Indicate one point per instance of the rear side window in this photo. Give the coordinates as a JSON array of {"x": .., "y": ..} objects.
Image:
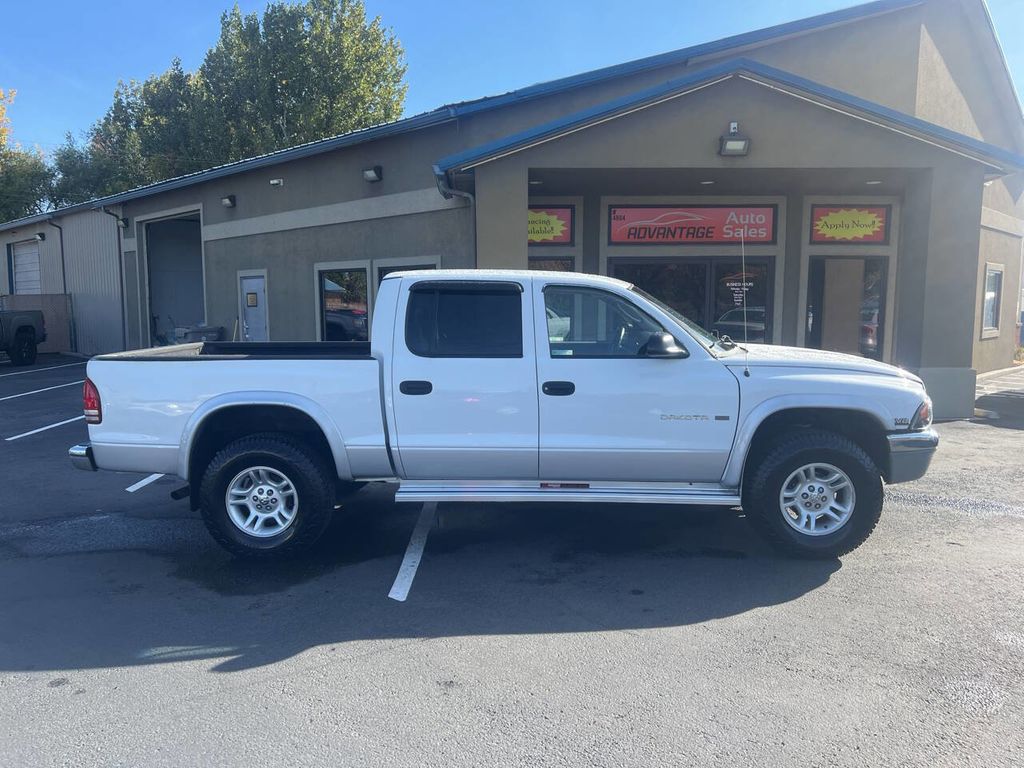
[{"x": 465, "y": 320}]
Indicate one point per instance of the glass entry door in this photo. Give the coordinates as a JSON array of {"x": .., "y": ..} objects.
[
  {"x": 709, "y": 291},
  {"x": 846, "y": 305}
]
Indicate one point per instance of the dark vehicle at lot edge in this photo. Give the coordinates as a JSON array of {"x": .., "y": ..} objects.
[{"x": 21, "y": 331}]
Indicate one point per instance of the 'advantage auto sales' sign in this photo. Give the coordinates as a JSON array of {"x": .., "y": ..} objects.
[{"x": 693, "y": 225}]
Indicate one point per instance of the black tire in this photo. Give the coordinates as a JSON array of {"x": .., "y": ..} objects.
[
  {"x": 764, "y": 481},
  {"x": 23, "y": 350},
  {"x": 314, "y": 485}
]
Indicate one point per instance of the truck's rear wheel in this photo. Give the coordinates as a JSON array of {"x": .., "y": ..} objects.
[
  {"x": 814, "y": 494},
  {"x": 266, "y": 496},
  {"x": 23, "y": 348}
]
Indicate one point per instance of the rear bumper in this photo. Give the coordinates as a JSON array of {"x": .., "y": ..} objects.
[
  {"x": 81, "y": 457},
  {"x": 910, "y": 453}
]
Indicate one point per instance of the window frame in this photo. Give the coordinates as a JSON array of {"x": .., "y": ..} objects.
[
  {"x": 435, "y": 286},
  {"x": 994, "y": 268},
  {"x": 620, "y": 297},
  {"x": 340, "y": 266}
]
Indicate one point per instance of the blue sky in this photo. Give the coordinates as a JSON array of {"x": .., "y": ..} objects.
[{"x": 65, "y": 61}]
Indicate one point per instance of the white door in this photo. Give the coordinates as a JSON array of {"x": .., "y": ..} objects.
[
  {"x": 464, "y": 385},
  {"x": 26, "y": 267},
  {"x": 253, "y": 295},
  {"x": 607, "y": 412}
]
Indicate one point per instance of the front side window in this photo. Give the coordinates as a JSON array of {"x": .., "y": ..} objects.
[
  {"x": 588, "y": 322},
  {"x": 992, "y": 298},
  {"x": 465, "y": 320},
  {"x": 343, "y": 305}
]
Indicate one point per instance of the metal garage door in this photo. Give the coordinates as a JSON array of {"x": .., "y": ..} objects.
[{"x": 26, "y": 267}]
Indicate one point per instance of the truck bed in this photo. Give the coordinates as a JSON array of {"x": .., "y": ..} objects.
[{"x": 250, "y": 350}]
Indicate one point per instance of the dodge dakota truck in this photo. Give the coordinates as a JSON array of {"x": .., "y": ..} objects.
[
  {"x": 495, "y": 386},
  {"x": 20, "y": 332}
]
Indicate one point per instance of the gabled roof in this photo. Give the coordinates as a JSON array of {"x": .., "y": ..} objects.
[
  {"x": 854, "y": 106},
  {"x": 453, "y": 111}
]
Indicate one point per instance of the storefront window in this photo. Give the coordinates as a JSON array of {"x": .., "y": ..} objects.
[
  {"x": 710, "y": 292},
  {"x": 553, "y": 264},
  {"x": 343, "y": 305}
]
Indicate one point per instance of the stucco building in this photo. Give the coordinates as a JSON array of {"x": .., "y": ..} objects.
[{"x": 852, "y": 180}]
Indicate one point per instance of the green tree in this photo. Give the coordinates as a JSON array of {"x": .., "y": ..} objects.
[
  {"x": 24, "y": 175},
  {"x": 298, "y": 73}
]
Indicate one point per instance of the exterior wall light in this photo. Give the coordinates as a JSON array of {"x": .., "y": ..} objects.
[
  {"x": 277, "y": 182},
  {"x": 733, "y": 143},
  {"x": 228, "y": 201},
  {"x": 40, "y": 236},
  {"x": 374, "y": 174}
]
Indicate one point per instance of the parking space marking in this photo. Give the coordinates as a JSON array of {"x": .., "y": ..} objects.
[
  {"x": 37, "y": 370},
  {"x": 43, "y": 429},
  {"x": 413, "y": 553},
  {"x": 144, "y": 482},
  {"x": 44, "y": 389}
]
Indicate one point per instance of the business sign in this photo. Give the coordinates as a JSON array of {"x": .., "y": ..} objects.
[
  {"x": 551, "y": 225},
  {"x": 691, "y": 225},
  {"x": 850, "y": 224}
]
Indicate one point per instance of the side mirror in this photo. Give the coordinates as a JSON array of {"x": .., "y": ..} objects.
[{"x": 663, "y": 345}]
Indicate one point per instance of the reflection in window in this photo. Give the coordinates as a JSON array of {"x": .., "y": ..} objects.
[
  {"x": 343, "y": 305},
  {"x": 733, "y": 284},
  {"x": 559, "y": 264},
  {"x": 993, "y": 297},
  {"x": 586, "y": 322}
]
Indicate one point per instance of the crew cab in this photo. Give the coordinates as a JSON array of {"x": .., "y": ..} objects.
[{"x": 503, "y": 386}]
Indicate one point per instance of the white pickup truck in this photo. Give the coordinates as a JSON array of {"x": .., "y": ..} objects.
[{"x": 513, "y": 386}]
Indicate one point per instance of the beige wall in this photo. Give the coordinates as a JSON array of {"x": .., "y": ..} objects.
[{"x": 995, "y": 352}]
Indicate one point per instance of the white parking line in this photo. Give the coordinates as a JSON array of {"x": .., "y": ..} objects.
[
  {"x": 413, "y": 553},
  {"x": 44, "y": 389},
  {"x": 43, "y": 429},
  {"x": 144, "y": 482},
  {"x": 37, "y": 370}
]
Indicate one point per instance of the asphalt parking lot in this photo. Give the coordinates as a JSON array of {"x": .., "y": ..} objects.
[{"x": 542, "y": 635}]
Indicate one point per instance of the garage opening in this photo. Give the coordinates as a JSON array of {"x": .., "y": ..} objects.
[{"x": 174, "y": 255}]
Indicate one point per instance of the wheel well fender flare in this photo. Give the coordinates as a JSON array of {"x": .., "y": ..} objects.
[
  {"x": 747, "y": 429},
  {"x": 332, "y": 434}
]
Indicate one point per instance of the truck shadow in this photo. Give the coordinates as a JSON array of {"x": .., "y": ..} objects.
[{"x": 488, "y": 570}]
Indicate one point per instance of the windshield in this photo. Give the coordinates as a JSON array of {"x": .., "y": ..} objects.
[{"x": 684, "y": 321}]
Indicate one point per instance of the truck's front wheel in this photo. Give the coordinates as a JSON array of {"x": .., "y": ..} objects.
[
  {"x": 814, "y": 494},
  {"x": 266, "y": 496}
]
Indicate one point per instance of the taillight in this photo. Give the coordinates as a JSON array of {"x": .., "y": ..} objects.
[{"x": 91, "y": 403}]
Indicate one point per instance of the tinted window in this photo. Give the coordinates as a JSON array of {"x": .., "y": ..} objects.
[
  {"x": 465, "y": 320},
  {"x": 584, "y": 322}
]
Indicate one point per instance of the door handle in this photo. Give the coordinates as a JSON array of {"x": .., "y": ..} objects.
[
  {"x": 558, "y": 388},
  {"x": 415, "y": 387}
]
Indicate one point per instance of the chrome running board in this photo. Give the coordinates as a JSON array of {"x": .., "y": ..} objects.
[{"x": 541, "y": 491}]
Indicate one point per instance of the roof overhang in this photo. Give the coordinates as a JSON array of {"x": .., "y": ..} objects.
[{"x": 998, "y": 160}]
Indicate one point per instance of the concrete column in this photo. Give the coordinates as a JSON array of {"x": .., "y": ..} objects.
[
  {"x": 950, "y": 288},
  {"x": 501, "y": 216}
]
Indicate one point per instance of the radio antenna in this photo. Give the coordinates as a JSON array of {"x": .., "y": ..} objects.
[{"x": 743, "y": 295}]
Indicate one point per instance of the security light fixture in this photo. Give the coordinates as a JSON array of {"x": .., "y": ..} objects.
[
  {"x": 733, "y": 143},
  {"x": 707, "y": 183},
  {"x": 374, "y": 174},
  {"x": 228, "y": 201},
  {"x": 122, "y": 222},
  {"x": 277, "y": 182},
  {"x": 40, "y": 236}
]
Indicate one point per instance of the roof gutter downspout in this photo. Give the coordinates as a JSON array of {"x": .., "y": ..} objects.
[
  {"x": 64, "y": 284},
  {"x": 448, "y": 192},
  {"x": 120, "y": 278}
]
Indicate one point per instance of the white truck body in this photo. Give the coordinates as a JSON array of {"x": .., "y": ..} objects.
[{"x": 550, "y": 420}]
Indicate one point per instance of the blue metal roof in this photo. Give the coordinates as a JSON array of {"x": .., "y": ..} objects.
[{"x": 732, "y": 68}]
